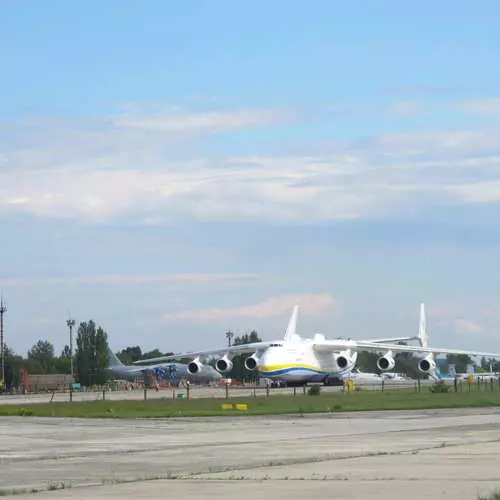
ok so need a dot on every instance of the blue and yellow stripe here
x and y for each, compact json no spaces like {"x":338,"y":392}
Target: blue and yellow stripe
{"x":283,"y":369}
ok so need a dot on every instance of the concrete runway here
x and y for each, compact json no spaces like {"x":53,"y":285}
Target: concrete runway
{"x":377,"y":455}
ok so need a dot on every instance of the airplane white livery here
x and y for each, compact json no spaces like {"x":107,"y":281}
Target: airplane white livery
{"x":298,"y":360}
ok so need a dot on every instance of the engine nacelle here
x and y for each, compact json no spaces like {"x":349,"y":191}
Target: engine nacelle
{"x":224,"y":365}
{"x":386,"y":362}
{"x":194,"y":366}
{"x":344,"y":359}
{"x":427,"y":364}
{"x":252,"y":362}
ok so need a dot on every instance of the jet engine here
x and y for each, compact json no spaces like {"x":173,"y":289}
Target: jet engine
{"x":224,"y":365}
{"x":194,"y":366}
{"x":344,"y":359}
{"x":386,"y":362}
{"x":427,"y":364}
{"x":252,"y":362}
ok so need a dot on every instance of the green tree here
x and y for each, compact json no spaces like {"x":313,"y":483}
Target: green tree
{"x":490,"y":363}
{"x":91,"y":360}
{"x":130,"y":354}
{"x":101,"y":356}
{"x":405,"y":362}
{"x":239,"y":372}
{"x":66,"y":352}
{"x":63,"y":362}
{"x":367,"y":361}
{"x":460,"y":361}
{"x":41,"y":358}
{"x":13,"y":366}
{"x":155,"y":353}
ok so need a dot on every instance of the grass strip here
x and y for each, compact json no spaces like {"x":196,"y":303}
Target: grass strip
{"x":397,"y":399}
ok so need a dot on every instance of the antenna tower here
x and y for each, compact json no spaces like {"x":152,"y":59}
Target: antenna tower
{"x":71,"y":323}
{"x":3,"y":310}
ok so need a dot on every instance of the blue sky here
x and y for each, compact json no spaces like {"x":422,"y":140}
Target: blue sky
{"x":173,"y":171}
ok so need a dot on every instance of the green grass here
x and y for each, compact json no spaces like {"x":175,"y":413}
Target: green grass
{"x":493,"y":496}
{"x":326,"y":402}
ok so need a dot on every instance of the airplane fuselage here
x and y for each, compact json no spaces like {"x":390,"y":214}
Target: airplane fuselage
{"x":132,"y":373}
{"x":298,"y":362}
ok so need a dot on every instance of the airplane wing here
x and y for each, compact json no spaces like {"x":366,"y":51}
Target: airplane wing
{"x":391,"y":340}
{"x":333,"y":346}
{"x":235,"y":349}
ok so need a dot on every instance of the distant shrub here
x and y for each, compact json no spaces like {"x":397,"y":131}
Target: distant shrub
{"x":494,"y":496}
{"x":314,"y":390}
{"x":24,"y":412}
{"x":439,"y":387}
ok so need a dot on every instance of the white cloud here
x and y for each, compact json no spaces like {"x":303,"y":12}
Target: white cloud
{"x":206,"y":122}
{"x":140,"y":167}
{"x":479,"y":322}
{"x":438,"y":143}
{"x":489,"y":106}
{"x":478,"y":192}
{"x":404,"y":109}
{"x":120,"y":279}
{"x":419,"y":90}
{"x":467,"y":327}
{"x":269,"y":189}
{"x":309,"y":304}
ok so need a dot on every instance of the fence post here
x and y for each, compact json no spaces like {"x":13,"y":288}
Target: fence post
{"x":227,"y":389}
{"x":145,"y":393}
{"x":187,"y":387}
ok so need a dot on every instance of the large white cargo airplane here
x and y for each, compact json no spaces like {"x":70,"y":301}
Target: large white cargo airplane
{"x":300,"y":360}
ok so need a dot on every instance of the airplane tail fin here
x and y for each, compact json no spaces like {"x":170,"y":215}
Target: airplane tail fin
{"x":423,"y":336}
{"x":291,"y":329}
{"x":113,"y":358}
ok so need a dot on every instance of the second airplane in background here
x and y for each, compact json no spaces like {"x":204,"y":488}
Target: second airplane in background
{"x":298,"y":360}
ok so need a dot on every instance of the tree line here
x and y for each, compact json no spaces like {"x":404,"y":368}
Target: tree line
{"x":90,"y":359}
{"x":132,"y":354}
{"x":406,"y":363}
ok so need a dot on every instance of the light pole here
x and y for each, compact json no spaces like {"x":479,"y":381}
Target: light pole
{"x":71,"y":323}
{"x":229,"y":336}
{"x":3,"y":310}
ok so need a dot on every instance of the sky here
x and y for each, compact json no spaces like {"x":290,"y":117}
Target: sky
{"x":173,"y":170}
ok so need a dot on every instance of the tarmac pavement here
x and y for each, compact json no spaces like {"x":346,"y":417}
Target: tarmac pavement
{"x":377,"y":455}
